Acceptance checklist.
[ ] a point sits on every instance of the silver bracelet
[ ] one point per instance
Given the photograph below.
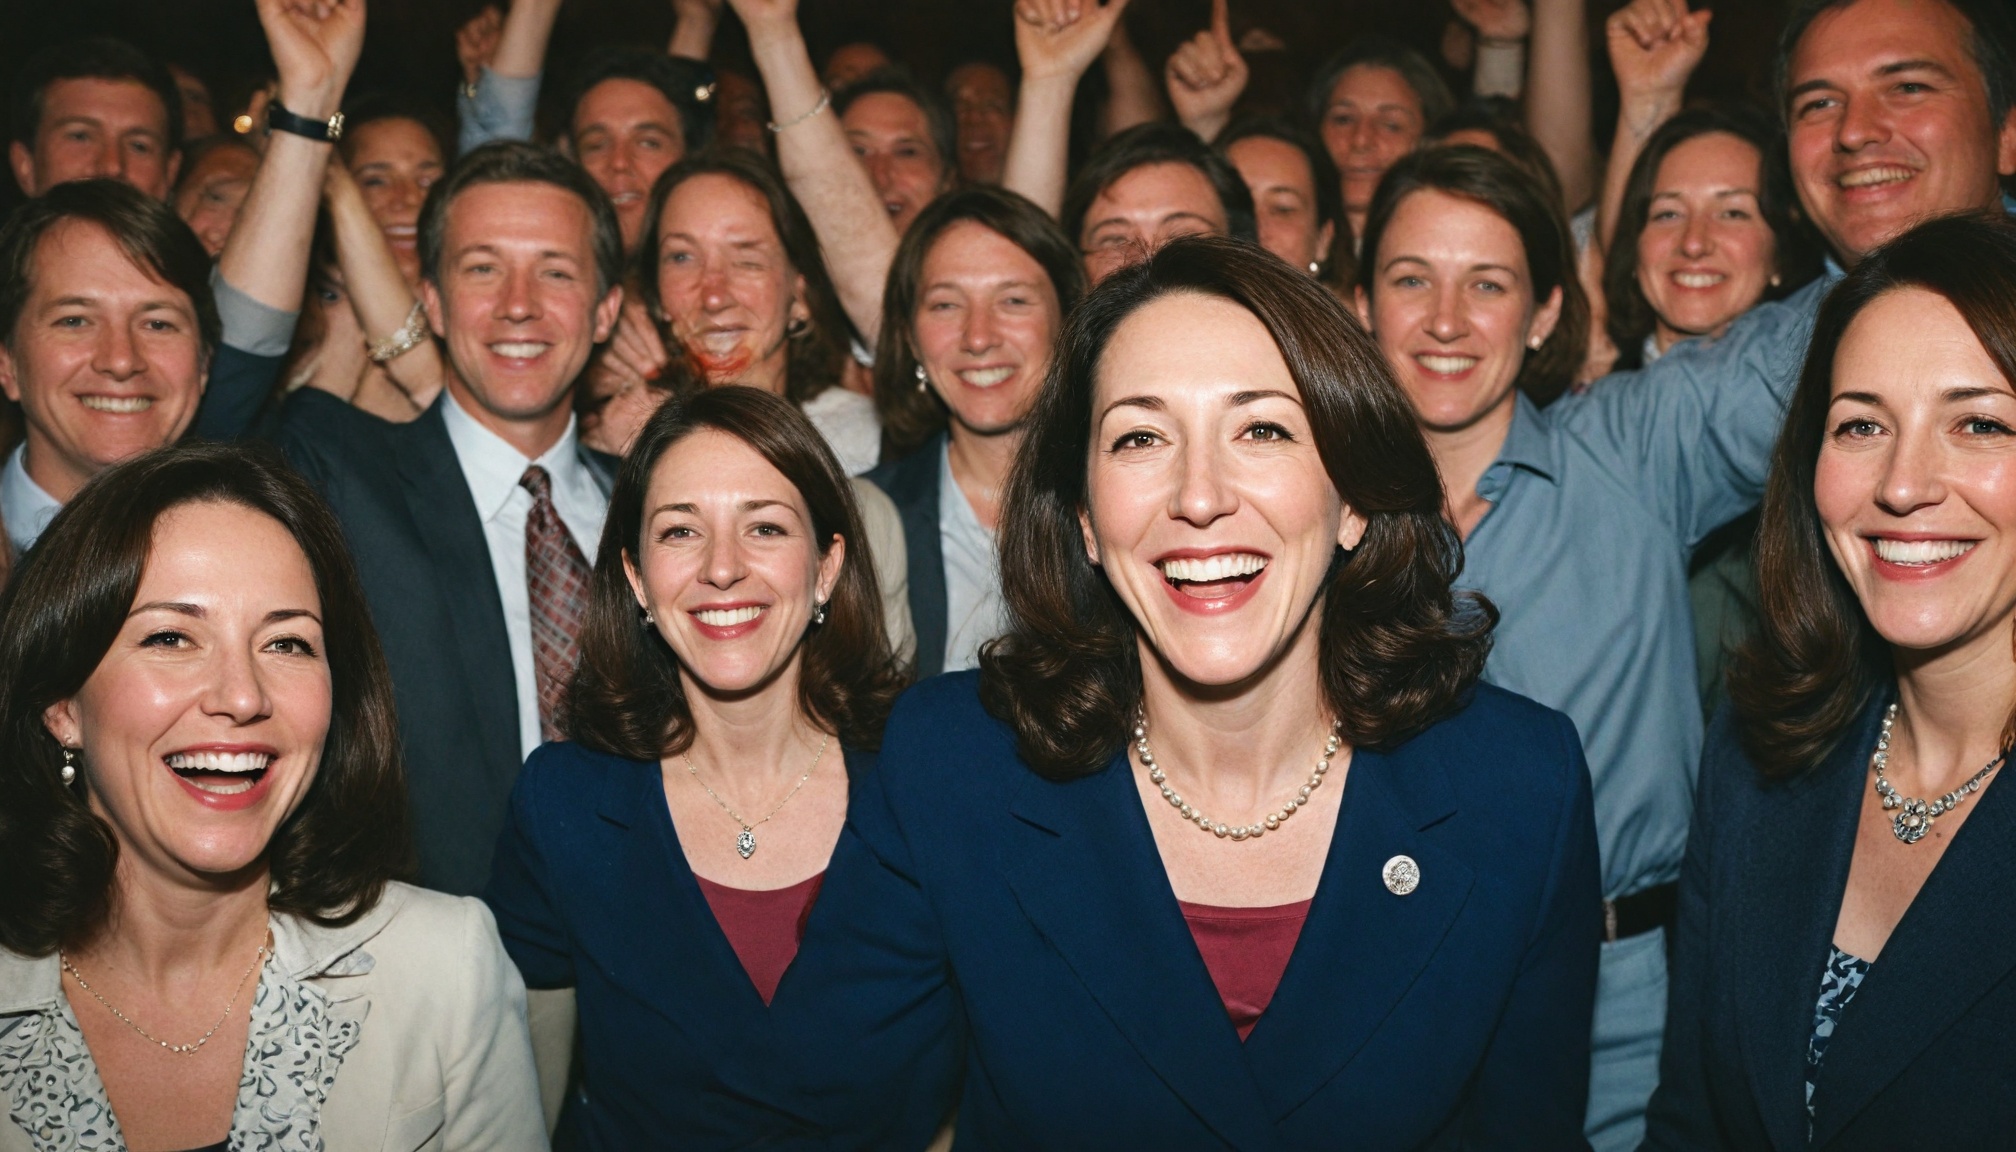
(825, 101)
(407, 338)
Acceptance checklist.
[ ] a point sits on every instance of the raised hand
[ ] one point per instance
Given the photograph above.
(1655, 45)
(760, 15)
(1496, 19)
(1061, 38)
(1206, 75)
(476, 41)
(315, 45)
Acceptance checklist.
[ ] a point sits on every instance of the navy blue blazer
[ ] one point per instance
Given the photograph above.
(912, 485)
(968, 889)
(1923, 1057)
(592, 891)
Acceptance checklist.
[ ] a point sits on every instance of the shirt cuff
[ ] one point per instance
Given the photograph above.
(501, 108)
(250, 326)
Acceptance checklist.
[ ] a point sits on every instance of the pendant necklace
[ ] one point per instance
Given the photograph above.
(746, 842)
(1916, 816)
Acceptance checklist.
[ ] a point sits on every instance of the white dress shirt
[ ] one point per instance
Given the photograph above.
(974, 612)
(493, 468)
(23, 504)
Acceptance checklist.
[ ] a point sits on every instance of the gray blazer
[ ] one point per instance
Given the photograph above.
(418, 995)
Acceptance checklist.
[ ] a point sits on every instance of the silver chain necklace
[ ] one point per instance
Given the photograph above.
(191, 1048)
(1270, 823)
(1915, 819)
(746, 842)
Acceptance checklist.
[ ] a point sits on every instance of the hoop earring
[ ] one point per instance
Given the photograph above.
(923, 379)
(69, 766)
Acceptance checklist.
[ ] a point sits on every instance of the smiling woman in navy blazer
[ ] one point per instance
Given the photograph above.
(1225, 846)
(664, 863)
(1845, 975)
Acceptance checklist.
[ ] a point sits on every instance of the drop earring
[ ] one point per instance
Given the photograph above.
(648, 619)
(69, 766)
(819, 612)
(923, 380)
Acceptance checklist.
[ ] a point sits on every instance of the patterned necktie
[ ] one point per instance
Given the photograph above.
(556, 576)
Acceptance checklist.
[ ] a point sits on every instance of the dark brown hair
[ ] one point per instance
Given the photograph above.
(1797, 256)
(1992, 43)
(516, 162)
(1500, 184)
(895, 80)
(1380, 52)
(626, 697)
(332, 857)
(1340, 267)
(911, 416)
(146, 230)
(1157, 143)
(1814, 661)
(1399, 647)
(93, 58)
(818, 352)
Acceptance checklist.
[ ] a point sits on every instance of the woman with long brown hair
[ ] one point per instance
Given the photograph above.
(1845, 945)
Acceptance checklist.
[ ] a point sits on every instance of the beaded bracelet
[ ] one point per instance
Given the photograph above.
(407, 338)
(825, 100)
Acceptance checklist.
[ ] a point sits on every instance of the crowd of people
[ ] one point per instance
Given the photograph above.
(791, 608)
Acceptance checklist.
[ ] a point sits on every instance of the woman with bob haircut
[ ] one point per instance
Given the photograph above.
(978, 292)
(1845, 947)
(202, 809)
(733, 684)
(1224, 845)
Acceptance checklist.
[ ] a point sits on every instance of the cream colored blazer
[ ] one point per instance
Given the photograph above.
(442, 1059)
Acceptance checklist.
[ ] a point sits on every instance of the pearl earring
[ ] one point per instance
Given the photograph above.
(1315, 268)
(649, 620)
(819, 613)
(1776, 280)
(923, 380)
(69, 766)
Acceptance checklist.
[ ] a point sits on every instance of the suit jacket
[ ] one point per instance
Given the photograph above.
(1921, 1058)
(592, 891)
(418, 541)
(912, 485)
(969, 889)
(441, 1059)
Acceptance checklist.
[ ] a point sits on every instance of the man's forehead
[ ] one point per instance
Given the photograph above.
(520, 213)
(81, 258)
(620, 101)
(118, 101)
(1867, 37)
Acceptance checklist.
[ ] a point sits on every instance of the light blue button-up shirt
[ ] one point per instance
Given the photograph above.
(1596, 506)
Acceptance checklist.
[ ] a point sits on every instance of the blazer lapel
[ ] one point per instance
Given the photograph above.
(1084, 868)
(437, 497)
(1795, 850)
(1945, 954)
(1357, 926)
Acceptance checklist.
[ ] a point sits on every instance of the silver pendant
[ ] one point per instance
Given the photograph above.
(1912, 823)
(746, 843)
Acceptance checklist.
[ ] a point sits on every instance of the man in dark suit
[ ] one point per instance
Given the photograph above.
(475, 525)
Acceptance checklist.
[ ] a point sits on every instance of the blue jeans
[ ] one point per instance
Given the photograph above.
(1630, 1023)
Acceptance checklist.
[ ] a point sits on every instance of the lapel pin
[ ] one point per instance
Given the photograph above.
(1401, 874)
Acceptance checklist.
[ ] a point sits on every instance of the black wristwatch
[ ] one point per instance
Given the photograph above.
(327, 131)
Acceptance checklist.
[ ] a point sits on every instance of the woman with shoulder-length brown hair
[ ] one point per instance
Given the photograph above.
(1225, 844)
(733, 684)
(1846, 945)
(202, 812)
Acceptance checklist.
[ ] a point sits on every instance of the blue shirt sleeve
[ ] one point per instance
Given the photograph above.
(500, 108)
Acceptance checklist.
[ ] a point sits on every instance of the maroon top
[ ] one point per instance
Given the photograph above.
(764, 927)
(1245, 950)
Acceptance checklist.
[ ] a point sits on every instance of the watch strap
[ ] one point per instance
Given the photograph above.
(327, 131)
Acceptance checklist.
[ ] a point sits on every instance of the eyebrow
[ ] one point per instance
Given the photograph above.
(754, 505)
(493, 250)
(75, 301)
(198, 612)
(1382, 106)
(1236, 400)
(1890, 69)
(1505, 268)
(1675, 194)
(1949, 395)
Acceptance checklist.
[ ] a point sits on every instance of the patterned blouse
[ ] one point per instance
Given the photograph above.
(1838, 983)
(50, 1084)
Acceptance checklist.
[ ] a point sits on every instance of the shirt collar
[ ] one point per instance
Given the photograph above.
(493, 467)
(25, 507)
(1527, 443)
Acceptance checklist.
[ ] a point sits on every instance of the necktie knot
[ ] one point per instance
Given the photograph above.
(538, 483)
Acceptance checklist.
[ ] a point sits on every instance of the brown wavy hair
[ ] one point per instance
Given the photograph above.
(332, 857)
(1814, 662)
(1400, 648)
(626, 698)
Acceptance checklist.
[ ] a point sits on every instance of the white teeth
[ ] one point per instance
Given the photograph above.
(124, 405)
(402, 230)
(1447, 365)
(519, 349)
(1698, 279)
(986, 377)
(220, 761)
(1868, 177)
(1921, 551)
(720, 340)
(728, 617)
(626, 197)
(1224, 566)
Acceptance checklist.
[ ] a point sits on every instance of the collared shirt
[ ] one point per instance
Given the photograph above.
(26, 508)
(1596, 506)
(493, 469)
(973, 610)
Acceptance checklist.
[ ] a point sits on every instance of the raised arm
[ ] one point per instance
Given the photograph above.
(1558, 95)
(1130, 87)
(385, 305)
(1056, 40)
(1206, 75)
(502, 62)
(694, 22)
(1501, 28)
(853, 227)
(1655, 46)
(265, 260)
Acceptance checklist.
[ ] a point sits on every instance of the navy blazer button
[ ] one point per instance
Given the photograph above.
(1401, 874)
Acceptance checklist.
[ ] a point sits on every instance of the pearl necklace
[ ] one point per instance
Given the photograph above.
(1270, 823)
(1911, 824)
